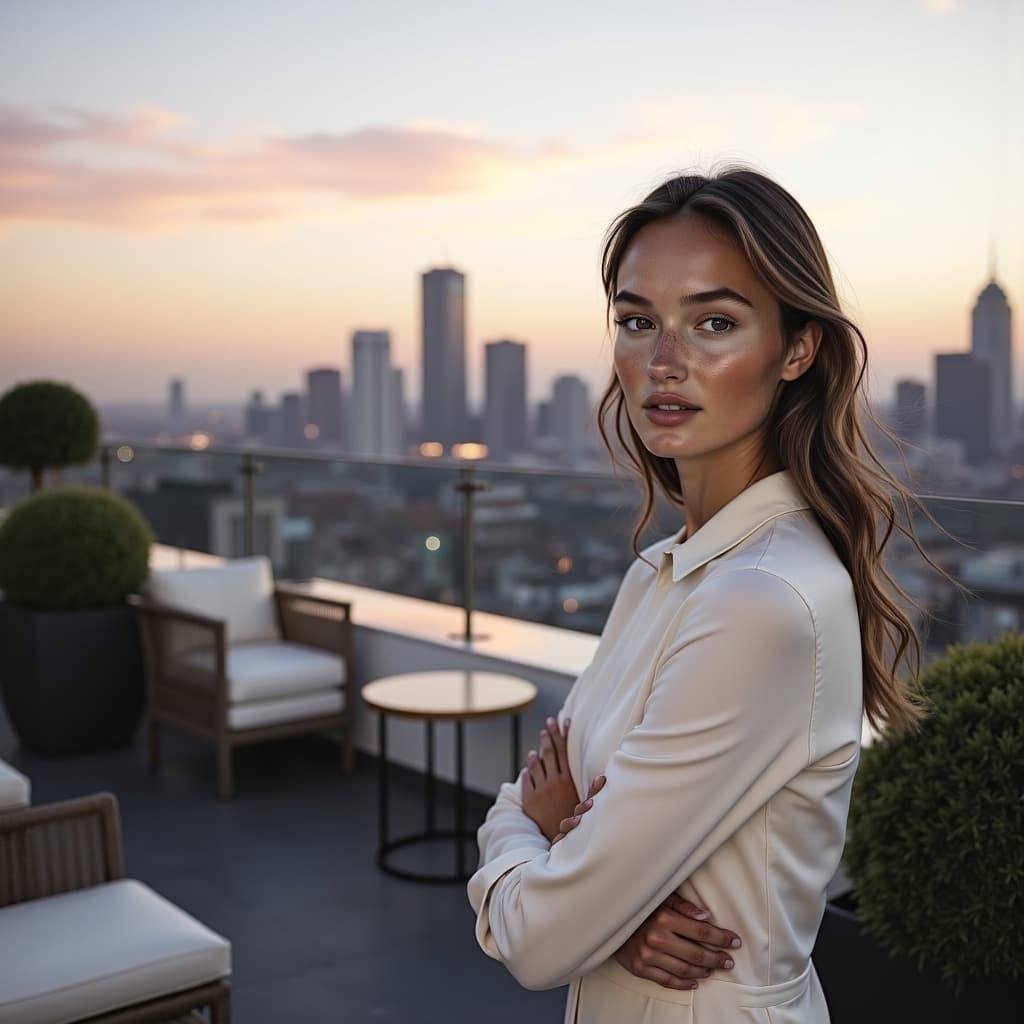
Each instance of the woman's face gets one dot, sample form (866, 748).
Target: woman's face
(696, 325)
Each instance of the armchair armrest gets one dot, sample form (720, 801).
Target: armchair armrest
(318, 621)
(55, 848)
(149, 609)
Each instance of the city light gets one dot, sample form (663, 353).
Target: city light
(469, 451)
(199, 441)
(125, 453)
(311, 432)
(431, 449)
(564, 564)
(432, 543)
(570, 605)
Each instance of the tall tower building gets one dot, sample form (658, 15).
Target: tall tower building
(176, 404)
(504, 426)
(444, 356)
(963, 387)
(291, 421)
(323, 410)
(376, 422)
(909, 413)
(570, 416)
(990, 340)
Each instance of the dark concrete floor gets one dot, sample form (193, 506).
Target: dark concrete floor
(286, 871)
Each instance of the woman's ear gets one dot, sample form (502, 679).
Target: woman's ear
(802, 351)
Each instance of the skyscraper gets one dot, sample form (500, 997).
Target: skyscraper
(909, 414)
(376, 423)
(323, 388)
(176, 404)
(990, 341)
(570, 417)
(291, 421)
(444, 356)
(505, 398)
(963, 390)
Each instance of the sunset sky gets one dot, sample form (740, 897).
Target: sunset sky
(225, 191)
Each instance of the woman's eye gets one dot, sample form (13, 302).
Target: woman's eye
(635, 323)
(716, 324)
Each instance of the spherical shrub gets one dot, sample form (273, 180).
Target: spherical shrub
(73, 547)
(45, 424)
(936, 832)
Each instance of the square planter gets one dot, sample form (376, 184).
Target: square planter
(863, 983)
(72, 681)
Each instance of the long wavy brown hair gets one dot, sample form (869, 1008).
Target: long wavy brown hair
(815, 423)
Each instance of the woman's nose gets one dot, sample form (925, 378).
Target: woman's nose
(668, 358)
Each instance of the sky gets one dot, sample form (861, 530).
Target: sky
(225, 192)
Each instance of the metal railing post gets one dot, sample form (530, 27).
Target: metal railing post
(250, 470)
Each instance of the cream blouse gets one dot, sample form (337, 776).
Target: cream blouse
(724, 706)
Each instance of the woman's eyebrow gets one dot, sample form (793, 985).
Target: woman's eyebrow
(715, 295)
(696, 298)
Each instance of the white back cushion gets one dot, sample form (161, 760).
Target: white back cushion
(241, 592)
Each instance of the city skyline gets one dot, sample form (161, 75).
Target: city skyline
(155, 222)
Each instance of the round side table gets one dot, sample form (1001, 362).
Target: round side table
(450, 695)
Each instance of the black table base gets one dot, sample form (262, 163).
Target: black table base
(458, 836)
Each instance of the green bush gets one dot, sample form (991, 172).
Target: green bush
(936, 834)
(72, 547)
(47, 425)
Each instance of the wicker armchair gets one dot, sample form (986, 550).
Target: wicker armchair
(236, 659)
(82, 942)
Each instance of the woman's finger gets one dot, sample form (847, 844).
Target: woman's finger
(582, 808)
(558, 744)
(550, 738)
(666, 980)
(535, 766)
(547, 755)
(568, 824)
(692, 923)
(558, 838)
(596, 786)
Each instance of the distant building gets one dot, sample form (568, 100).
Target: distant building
(570, 417)
(963, 395)
(176, 405)
(323, 410)
(291, 421)
(990, 341)
(376, 420)
(444, 356)
(259, 419)
(504, 413)
(909, 419)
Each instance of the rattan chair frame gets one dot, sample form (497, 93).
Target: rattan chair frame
(75, 844)
(198, 702)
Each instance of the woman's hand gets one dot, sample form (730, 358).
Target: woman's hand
(549, 794)
(676, 945)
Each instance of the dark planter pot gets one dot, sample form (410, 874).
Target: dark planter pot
(72, 681)
(863, 983)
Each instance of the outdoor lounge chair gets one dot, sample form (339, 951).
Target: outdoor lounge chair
(83, 943)
(236, 659)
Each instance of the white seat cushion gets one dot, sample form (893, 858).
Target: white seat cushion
(266, 671)
(93, 950)
(240, 593)
(256, 713)
(15, 790)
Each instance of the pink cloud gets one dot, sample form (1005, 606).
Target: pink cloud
(134, 171)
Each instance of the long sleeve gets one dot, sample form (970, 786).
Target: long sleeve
(728, 722)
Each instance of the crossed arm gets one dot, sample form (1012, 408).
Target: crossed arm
(725, 726)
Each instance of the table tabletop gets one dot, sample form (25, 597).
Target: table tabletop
(449, 695)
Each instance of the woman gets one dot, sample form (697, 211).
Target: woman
(722, 711)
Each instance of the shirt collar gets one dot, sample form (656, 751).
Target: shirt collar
(769, 498)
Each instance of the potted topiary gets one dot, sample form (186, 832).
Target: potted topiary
(46, 425)
(70, 661)
(935, 853)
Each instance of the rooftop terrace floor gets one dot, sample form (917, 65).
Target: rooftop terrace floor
(286, 871)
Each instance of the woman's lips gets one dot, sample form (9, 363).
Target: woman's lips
(669, 418)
